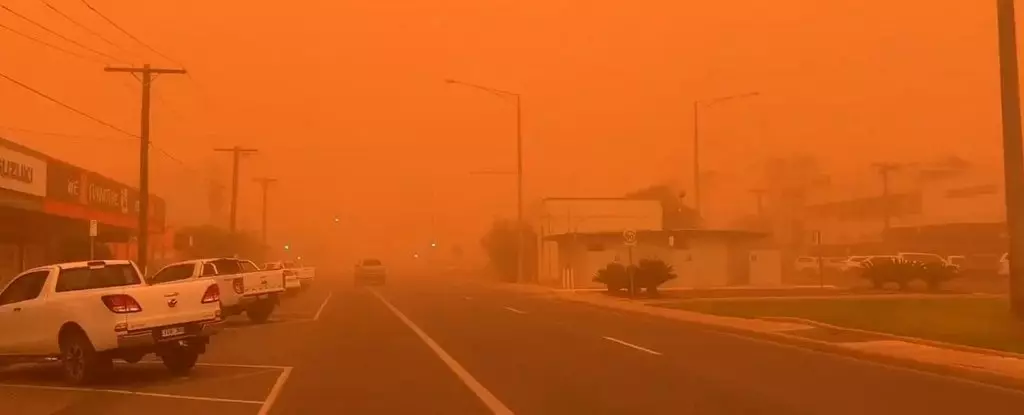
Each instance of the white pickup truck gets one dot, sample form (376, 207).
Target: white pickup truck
(88, 313)
(243, 286)
(295, 277)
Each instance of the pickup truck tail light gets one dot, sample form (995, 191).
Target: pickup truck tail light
(212, 294)
(238, 285)
(121, 303)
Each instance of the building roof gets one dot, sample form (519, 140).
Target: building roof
(644, 234)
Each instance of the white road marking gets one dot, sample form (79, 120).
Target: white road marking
(515, 310)
(128, 392)
(242, 366)
(468, 298)
(631, 345)
(324, 304)
(481, 392)
(275, 391)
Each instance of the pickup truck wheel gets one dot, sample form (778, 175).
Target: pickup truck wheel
(81, 364)
(180, 360)
(260, 311)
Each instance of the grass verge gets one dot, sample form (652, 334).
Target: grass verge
(978, 322)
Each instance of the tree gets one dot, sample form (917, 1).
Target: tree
(501, 243)
(675, 214)
(211, 241)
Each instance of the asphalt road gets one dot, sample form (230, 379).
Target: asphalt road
(452, 347)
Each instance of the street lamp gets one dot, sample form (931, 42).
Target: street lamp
(706, 103)
(520, 268)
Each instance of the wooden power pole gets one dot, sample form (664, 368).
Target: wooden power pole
(237, 153)
(145, 74)
(1013, 159)
(265, 184)
(884, 169)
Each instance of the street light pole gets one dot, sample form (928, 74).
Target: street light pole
(696, 140)
(520, 226)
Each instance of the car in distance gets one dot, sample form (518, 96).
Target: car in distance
(370, 271)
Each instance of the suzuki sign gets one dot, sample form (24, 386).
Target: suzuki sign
(22, 173)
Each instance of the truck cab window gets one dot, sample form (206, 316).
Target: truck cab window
(24, 288)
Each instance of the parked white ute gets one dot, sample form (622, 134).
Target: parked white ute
(292, 282)
(244, 288)
(88, 313)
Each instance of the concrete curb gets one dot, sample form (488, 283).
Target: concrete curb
(917, 340)
(963, 373)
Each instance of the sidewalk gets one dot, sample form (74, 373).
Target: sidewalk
(990, 366)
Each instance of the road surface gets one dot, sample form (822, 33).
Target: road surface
(449, 346)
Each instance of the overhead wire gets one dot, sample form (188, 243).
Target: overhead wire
(84, 27)
(55, 33)
(52, 46)
(66, 106)
(126, 33)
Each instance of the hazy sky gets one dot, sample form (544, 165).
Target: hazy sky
(347, 104)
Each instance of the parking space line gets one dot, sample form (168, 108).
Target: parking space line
(275, 391)
(631, 345)
(324, 304)
(514, 310)
(485, 396)
(236, 365)
(135, 393)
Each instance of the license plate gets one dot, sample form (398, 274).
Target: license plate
(173, 331)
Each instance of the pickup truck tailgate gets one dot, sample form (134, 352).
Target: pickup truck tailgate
(306, 273)
(171, 304)
(370, 270)
(262, 282)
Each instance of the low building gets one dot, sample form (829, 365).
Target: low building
(701, 258)
(46, 206)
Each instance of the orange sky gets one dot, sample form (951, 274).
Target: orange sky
(346, 100)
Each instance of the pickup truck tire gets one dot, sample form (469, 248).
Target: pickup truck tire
(180, 360)
(259, 312)
(80, 362)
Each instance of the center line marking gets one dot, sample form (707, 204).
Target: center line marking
(324, 304)
(481, 392)
(515, 310)
(631, 345)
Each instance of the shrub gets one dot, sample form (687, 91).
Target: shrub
(902, 272)
(936, 273)
(651, 273)
(614, 276)
(882, 271)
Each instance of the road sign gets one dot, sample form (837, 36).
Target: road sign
(94, 228)
(629, 237)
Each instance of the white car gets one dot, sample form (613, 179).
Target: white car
(296, 277)
(88, 313)
(370, 271)
(244, 287)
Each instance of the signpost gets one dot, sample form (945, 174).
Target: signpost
(629, 239)
(821, 265)
(94, 228)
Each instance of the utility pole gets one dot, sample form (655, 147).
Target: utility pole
(265, 184)
(759, 194)
(1013, 159)
(147, 73)
(236, 156)
(884, 169)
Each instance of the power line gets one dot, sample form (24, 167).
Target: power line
(50, 45)
(68, 107)
(63, 135)
(83, 27)
(69, 40)
(126, 33)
